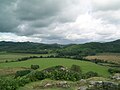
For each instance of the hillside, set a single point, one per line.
(99, 47)
(27, 47)
(91, 48)
(30, 47)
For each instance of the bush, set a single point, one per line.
(65, 75)
(59, 67)
(76, 68)
(23, 59)
(6, 61)
(35, 67)
(8, 84)
(22, 81)
(36, 75)
(89, 75)
(113, 70)
(22, 73)
(55, 73)
(11, 83)
(62, 73)
(119, 86)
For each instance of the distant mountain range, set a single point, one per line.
(30, 47)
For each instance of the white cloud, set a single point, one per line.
(15, 38)
(60, 21)
(106, 4)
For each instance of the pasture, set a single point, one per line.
(14, 56)
(110, 57)
(49, 62)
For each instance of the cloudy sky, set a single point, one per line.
(59, 21)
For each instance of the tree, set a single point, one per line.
(76, 68)
(35, 67)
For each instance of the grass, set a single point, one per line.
(73, 85)
(14, 56)
(111, 57)
(10, 71)
(36, 85)
(49, 62)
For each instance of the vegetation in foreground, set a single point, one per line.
(67, 85)
(72, 70)
(73, 74)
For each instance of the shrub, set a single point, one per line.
(65, 75)
(51, 56)
(6, 61)
(8, 84)
(11, 83)
(36, 75)
(55, 73)
(23, 59)
(50, 69)
(119, 86)
(113, 70)
(40, 75)
(89, 75)
(22, 81)
(22, 73)
(62, 73)
(35, 67)
(76, 68)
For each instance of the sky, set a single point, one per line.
(59, 21)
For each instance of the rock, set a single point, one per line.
(48, 85)
(63, 84)
(63, 68)
(66, 86)
(116, 76)
(83, 81)
(90, 86)
(95, 82)
(82, 88)
(107, 83)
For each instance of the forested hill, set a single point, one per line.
(113, 46)
(30, 47)
(27, 47)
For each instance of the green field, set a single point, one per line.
(48, 62)
(14, 56)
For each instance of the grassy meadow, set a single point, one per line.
(49, 62)
(14, 56)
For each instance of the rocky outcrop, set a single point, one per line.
(116, 76)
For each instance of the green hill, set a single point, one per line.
(27, 47)
(72, 49)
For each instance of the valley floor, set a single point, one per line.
(49, 62)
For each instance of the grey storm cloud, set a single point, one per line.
(60, 21)
(37, 9)
(106, 5)
(7, 18)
